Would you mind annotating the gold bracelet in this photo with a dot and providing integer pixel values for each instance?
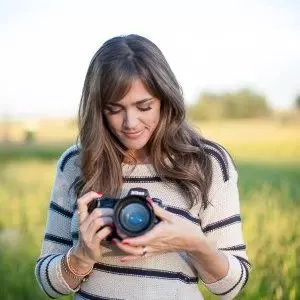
(63, 263)
(71, 268)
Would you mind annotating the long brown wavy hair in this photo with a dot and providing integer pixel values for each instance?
(176, 149)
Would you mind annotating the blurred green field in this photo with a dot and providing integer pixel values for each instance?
(268, 159)
(256, 140)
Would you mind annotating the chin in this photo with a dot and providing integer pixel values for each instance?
(137, 145)
(131, 146)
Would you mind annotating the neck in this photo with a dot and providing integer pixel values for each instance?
(139, 156)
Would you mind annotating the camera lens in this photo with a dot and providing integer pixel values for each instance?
(135, 217)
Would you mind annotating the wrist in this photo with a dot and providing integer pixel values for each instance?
(201, 246)
(80, 263)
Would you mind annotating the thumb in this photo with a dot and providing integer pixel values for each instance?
(160, 212)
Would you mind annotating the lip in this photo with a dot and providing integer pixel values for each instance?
(133, 135)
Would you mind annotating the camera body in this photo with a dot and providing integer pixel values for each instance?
(133, 215)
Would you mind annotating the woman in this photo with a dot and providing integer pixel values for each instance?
(132, 133)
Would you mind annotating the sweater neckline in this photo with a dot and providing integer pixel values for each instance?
(146, 169)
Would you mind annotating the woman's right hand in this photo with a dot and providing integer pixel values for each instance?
(93, 228)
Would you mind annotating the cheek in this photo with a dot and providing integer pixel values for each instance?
(153, 121)
(156, 121)
(113, 122)
(154, 117)
(157, 117)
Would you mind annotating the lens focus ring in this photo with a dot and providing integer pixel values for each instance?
(135, 217)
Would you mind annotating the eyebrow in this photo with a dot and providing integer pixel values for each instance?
(135, 103)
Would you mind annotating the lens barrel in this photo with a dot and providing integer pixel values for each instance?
(133, 215)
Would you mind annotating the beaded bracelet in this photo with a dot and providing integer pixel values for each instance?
(63, 263)
(71, 269)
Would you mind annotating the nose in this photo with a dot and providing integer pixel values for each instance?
(131, 120)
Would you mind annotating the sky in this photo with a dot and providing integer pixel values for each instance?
(217, 46)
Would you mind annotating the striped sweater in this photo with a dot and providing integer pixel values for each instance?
(166, 276)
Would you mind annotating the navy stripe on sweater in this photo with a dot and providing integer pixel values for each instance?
(234, 248)
(75, 235)
(217, 148)
(223, 164)
(231, 289)
(182, 213)
(144, 179)
(243, 260)
(68, 156)
(146, 273)
(247, 275)
(222, 223)
(47, 276)
(57, 239)
(39, 275)
(57, 208)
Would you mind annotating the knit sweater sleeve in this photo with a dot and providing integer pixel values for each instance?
(222, 225)
(58, 238)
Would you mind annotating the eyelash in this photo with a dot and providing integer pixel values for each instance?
(145, 108)
(112, 112)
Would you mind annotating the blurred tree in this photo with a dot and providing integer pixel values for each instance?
(243, 103)
(208, 107)
(30, 130)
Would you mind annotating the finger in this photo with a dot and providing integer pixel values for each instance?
(82, 204)
(102, 212)
(160, 212)
(95, 225)
(127, 248)
(102, 234)
(144, 239)
(95, 214)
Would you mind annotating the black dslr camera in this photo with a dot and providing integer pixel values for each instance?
(133, 214)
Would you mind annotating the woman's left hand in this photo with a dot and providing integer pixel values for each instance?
(172, 234)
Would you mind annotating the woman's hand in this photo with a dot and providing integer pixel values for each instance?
(93, 228)
(173, 233)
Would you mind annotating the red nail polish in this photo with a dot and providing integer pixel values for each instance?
(99, 193)
(125, 243)
(149, 199)
(114, 242)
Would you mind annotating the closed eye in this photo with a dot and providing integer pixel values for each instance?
(113, 109)
(142, 105)
(144, 108)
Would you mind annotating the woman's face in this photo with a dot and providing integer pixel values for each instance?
(134, 118)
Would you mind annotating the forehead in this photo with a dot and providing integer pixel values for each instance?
(136, 91)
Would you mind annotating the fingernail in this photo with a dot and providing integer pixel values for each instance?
(99, 193)
(125, 243)
(149, 199)
(114, 242)
(122, 260)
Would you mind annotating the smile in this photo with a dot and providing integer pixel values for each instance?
(133, 135)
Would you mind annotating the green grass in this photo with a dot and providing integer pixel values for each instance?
(41, 151)
(25, 190)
